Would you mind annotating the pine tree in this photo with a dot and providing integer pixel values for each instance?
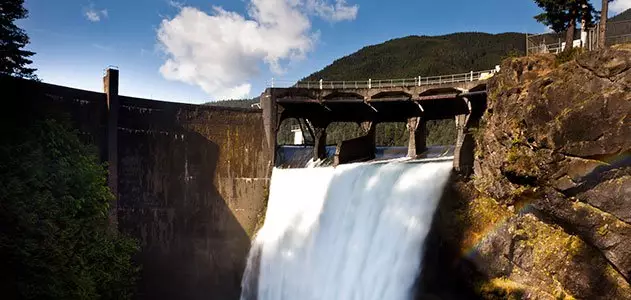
(14, 60)
(562, 15)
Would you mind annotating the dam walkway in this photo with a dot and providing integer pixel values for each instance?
(316, 104)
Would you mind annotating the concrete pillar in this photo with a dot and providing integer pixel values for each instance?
(369, 131)
(465, 144)
(270, 119)
(417, 143)
(319, 149)
(358, 149)
(110, 86)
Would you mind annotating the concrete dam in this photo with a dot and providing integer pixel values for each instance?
(193, 183)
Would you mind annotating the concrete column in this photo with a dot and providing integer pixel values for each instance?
(358, 149)
(270, 119)
(319, 149)
(417, 143)
(369, 131)
(465, 144)
(110, 86)
(368, 127)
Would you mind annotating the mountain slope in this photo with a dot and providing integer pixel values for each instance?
(425, 56)
(623, 16)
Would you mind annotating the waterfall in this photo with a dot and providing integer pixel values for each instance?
(351, 232)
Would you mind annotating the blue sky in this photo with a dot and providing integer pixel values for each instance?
(201, 50)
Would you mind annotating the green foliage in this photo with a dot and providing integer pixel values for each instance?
(55, 241)
(240, 103)
(424, 56)
(566, 56)
(13, 58)
(560, 14)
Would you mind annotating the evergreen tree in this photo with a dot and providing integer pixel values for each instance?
(14, 60)
(562, 15)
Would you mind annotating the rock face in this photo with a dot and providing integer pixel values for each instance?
(547, 214)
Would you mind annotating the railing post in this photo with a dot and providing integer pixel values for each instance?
(320, 83)
(344, 84)
(471, 75)
(419, 81)
(369, 83)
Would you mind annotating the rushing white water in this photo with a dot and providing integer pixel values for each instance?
(351, 232)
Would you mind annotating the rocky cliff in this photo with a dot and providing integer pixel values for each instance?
(547, 213)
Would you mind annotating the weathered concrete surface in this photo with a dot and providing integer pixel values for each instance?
(355, 150)
(85, 110)
(193, 182)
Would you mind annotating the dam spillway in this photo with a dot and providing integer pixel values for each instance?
(354, 231)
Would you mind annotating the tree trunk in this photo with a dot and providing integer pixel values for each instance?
(602, 27)
(569, 35)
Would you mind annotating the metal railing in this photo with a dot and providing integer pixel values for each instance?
(618, 32)
(388, 83)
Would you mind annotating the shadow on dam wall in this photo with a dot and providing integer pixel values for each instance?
(182, 188)
(191, 179)
(192, 245)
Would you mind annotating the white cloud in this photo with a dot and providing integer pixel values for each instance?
(221, 51)
(339, 11)
(175, 4)
(619, 6)
(94, 15)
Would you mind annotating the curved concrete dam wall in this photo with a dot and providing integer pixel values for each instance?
(191, 181)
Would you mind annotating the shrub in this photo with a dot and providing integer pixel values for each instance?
(55, 240)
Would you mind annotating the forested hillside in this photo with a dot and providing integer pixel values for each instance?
(425, 56)
(623, 16)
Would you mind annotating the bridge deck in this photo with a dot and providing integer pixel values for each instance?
(378, 105)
